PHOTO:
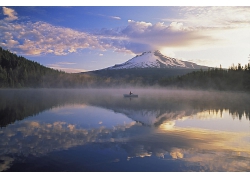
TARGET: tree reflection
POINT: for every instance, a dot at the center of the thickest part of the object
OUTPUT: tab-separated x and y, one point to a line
153	107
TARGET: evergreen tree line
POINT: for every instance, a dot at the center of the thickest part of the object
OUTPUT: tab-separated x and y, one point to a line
18	72
234	78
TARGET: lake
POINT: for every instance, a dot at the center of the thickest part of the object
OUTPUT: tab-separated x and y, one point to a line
98	130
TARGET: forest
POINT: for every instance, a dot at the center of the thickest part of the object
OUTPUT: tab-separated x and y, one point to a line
19	72
235	78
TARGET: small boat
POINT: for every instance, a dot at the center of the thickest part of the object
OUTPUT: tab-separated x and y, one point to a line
130	95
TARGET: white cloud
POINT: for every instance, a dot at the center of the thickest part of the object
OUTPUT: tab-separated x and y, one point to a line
159	35
10	13
196	28
43	38
115	17
112	17
176	26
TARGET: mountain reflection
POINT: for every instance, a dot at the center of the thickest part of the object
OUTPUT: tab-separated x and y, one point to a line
153	131
153	107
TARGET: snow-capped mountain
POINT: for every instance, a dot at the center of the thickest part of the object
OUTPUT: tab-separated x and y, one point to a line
155	60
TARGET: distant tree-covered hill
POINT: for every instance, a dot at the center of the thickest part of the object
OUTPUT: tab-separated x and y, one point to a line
137	76
17	72
236	78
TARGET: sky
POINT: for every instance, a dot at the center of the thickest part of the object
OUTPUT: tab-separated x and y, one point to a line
85	37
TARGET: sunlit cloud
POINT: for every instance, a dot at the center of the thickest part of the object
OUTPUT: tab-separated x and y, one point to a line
144	36
192	29
43	38
12	15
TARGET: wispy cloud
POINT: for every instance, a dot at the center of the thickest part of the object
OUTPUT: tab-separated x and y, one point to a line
68	70
115	17
65	63
216	16
63	66
112	17
10	13
195	27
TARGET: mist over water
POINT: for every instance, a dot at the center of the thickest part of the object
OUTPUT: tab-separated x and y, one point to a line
100	130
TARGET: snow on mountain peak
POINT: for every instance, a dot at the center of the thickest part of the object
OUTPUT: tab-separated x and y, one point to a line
154	59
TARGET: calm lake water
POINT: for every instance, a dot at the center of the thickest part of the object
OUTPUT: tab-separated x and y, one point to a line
100	130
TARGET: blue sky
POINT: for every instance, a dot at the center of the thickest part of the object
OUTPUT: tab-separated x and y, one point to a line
82	38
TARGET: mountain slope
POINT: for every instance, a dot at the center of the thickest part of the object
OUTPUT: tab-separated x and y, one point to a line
156	60
145	69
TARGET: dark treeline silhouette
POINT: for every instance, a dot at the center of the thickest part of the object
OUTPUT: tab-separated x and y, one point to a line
234	78
17	72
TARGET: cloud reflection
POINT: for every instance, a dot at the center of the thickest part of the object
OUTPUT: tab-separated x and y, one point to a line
176	154
192	146
5	162
209	150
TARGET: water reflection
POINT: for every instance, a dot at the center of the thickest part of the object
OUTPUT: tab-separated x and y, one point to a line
152	108
199	130
220	149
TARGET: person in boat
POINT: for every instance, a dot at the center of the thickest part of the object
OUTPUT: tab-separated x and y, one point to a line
130	93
